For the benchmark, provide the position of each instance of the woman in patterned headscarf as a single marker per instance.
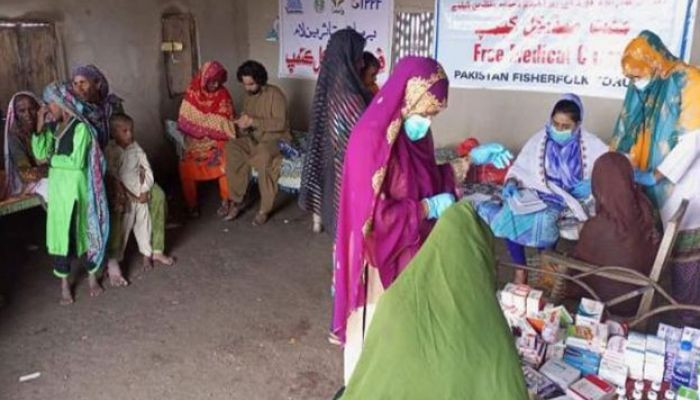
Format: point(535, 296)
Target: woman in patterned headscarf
point(77, 214)
point(659, 128)
point(206, 120)
point(97, 104)
point(340, 99)
point(23, 173)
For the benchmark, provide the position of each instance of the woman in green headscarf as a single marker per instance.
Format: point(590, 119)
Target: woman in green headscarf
point(438, 331)
point(659, 129)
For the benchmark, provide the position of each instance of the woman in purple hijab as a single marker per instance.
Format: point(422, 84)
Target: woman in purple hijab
point(97, 104)
point(392, 193)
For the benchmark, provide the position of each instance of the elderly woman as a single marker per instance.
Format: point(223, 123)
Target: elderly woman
point(206, 119)
point(77, 214)
point(551, 175)
point(23, 172)
point(340, 99)
point(97, 103)
point(659, 129)
point(393, 192)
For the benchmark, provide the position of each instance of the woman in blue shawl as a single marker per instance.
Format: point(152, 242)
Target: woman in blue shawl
point(553, 170)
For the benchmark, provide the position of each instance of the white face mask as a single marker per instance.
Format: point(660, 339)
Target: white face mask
point(641, 83)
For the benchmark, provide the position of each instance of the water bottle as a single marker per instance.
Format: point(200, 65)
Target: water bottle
point(683, 368)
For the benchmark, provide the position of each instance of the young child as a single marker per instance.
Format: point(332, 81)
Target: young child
point(133, 172)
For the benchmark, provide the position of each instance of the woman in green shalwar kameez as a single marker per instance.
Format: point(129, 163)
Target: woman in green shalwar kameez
point(438, 331)
point(77, 217)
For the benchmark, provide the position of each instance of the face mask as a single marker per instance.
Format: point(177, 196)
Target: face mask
point(641, 84)
point(560, 136)
point(416, 127)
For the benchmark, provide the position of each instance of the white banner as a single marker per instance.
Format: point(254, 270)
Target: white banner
point(306, 26)
point(553, 45)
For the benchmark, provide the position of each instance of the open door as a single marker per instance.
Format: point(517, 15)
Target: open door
point(180, 51)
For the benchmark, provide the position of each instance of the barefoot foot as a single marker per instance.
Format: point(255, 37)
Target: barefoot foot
point(162, 259)
point(66, 294)
point(116, 279)
point(95, 288)
point(147, 263)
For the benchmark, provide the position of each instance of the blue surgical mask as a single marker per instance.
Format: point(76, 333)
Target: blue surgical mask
point(416, 127)
point(558, 136)
point(641, 84)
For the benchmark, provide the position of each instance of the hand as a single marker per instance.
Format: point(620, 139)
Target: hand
point(144, 197)
point(509, 190)
point(491, 153)
point(582, 190)
point(645, 178)
point(244, 122)
point(42, 117)
point(438, 204)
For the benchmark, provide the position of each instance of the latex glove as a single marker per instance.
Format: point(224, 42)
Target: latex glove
point(510, 189)
point(438, 204)
point(582, 190)
point(644, 178)
point(491, 153)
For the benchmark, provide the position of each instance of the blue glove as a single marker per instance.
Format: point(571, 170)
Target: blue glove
point(509, 190)
point(491, 153)
point(644, 178)
point(582, 190)
point(438, 204)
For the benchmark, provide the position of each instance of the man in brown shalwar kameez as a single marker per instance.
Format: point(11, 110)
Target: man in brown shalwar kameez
point(262, 125)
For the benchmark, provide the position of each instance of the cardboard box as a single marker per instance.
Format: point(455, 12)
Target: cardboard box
point(654, 358)
point(586, 361)
point(520, 293)
point(560, 373)
point(592, 337)
point(613, 372)
point(535, 301)
point(538, 384)
point(591, 387)
point(589, 312)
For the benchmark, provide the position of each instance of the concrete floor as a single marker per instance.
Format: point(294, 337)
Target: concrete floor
point(243, 315)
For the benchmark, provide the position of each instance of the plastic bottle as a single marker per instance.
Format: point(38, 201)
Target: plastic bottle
point(637, 395)
point(656, 386)
point(683, 367)
point(652, 395)
point(670, 395)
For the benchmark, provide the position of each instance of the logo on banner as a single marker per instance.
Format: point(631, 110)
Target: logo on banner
point(338, 7)
point(319, 6)
point(366, 4)
point(294, 7)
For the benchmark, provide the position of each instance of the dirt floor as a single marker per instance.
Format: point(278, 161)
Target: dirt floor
point(243, 315)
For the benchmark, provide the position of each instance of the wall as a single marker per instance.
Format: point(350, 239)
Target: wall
point(123, 38)
point(506, 116)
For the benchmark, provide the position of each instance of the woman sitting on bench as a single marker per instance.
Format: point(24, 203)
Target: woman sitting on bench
point(24, 174)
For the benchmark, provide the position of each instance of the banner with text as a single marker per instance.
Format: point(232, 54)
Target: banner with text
point(553, 45)
point(306, 26)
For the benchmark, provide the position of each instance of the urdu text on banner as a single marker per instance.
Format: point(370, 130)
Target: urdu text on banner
point(306, 26)
point(553, 45)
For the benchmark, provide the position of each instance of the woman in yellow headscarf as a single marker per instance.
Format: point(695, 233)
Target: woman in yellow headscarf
point(659, 128)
